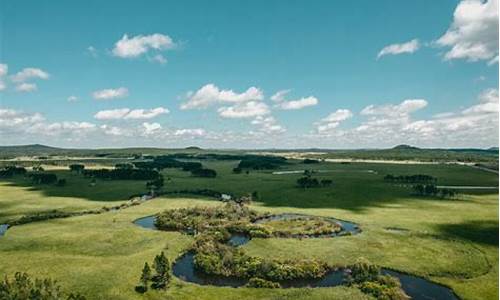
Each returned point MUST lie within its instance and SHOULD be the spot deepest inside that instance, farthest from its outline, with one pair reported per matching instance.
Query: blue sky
(443, 61)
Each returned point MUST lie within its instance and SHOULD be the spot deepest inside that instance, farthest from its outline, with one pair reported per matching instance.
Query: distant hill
(193, 148)
(405, 147)
(29, 150)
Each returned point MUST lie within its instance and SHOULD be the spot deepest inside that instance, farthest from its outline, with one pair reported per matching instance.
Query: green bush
(255, 282)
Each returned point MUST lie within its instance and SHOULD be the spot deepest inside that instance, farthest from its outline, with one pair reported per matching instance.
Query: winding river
(417, 288)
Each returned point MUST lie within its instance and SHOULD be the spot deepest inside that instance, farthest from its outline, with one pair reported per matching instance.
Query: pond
(3, 228)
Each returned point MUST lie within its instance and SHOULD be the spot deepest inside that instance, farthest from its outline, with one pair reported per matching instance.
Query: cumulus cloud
(150, 128)
(127, 113)
(473, 34)
(72, 98)
(279, 97)
(158, 58)
(268, 125)
(138, 45)
(21, 78)
(26, 87)
(333, 120)
(29, 73)
(192, 132)
(404, 108)
(394, 49)
(211, 94)
(106, 94)
(244, 110)
(3, 72)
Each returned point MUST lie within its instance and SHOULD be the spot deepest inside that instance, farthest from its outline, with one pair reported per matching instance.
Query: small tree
(162, 271)
(78, 168)
(144, 280)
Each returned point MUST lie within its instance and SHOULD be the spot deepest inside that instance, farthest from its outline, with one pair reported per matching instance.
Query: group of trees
(122, 174)
(418, 178)
(22, 287)
(258, 162)
(9, 171)
(43, 178)
(159, 279)
(432, 190)
(78, 168)
(308, 161)
(204, 173)
(310, 182)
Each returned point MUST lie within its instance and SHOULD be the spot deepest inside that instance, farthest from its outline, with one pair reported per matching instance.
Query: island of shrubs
(369, 280)
(21, 287)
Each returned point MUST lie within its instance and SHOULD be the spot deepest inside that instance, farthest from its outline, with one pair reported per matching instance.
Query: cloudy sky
(249, 74)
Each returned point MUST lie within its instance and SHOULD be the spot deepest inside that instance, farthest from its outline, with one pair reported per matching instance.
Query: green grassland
(451, 241)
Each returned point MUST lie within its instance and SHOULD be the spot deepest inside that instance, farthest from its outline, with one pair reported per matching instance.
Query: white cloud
(488, 103)
(150, 128)
(394, 49)
(333, 120)
(4, 68)
(279, 97)
(105, 94)
(268, 125)
(127, 113)
(404, 108)
(244, 110)
(135, 46)
(473, 35)
(192, 132)
(211, 94)
(158, 58)
(112, 114)
(72, 98)
(3, 72)
(146, 113)
(29, 73)
(26, 87)
(92, 51)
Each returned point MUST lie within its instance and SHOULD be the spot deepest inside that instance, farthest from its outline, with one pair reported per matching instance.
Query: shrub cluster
(23, 287)
(43, 178)
(10, 171)
(121, 174)
(432, 190)
(310, 182)
(257, 162)
(204, 173)
(418, 178)
(369, 280)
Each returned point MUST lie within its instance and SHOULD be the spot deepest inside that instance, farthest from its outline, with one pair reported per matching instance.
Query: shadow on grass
(482, 232)
(79, 187)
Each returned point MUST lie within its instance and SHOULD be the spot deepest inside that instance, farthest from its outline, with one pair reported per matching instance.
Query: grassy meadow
(450, 241)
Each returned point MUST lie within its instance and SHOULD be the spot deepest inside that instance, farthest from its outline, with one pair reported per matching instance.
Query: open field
(450, 241)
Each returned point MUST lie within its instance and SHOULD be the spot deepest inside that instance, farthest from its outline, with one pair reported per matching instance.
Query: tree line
(418, 178)
(432, 190)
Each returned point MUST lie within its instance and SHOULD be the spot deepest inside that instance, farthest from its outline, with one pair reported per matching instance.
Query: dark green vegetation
(213, 255)
(430, 190)
(368, 278)
(22, 287)
(450, 241)
(419, 178)
(159, 279)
